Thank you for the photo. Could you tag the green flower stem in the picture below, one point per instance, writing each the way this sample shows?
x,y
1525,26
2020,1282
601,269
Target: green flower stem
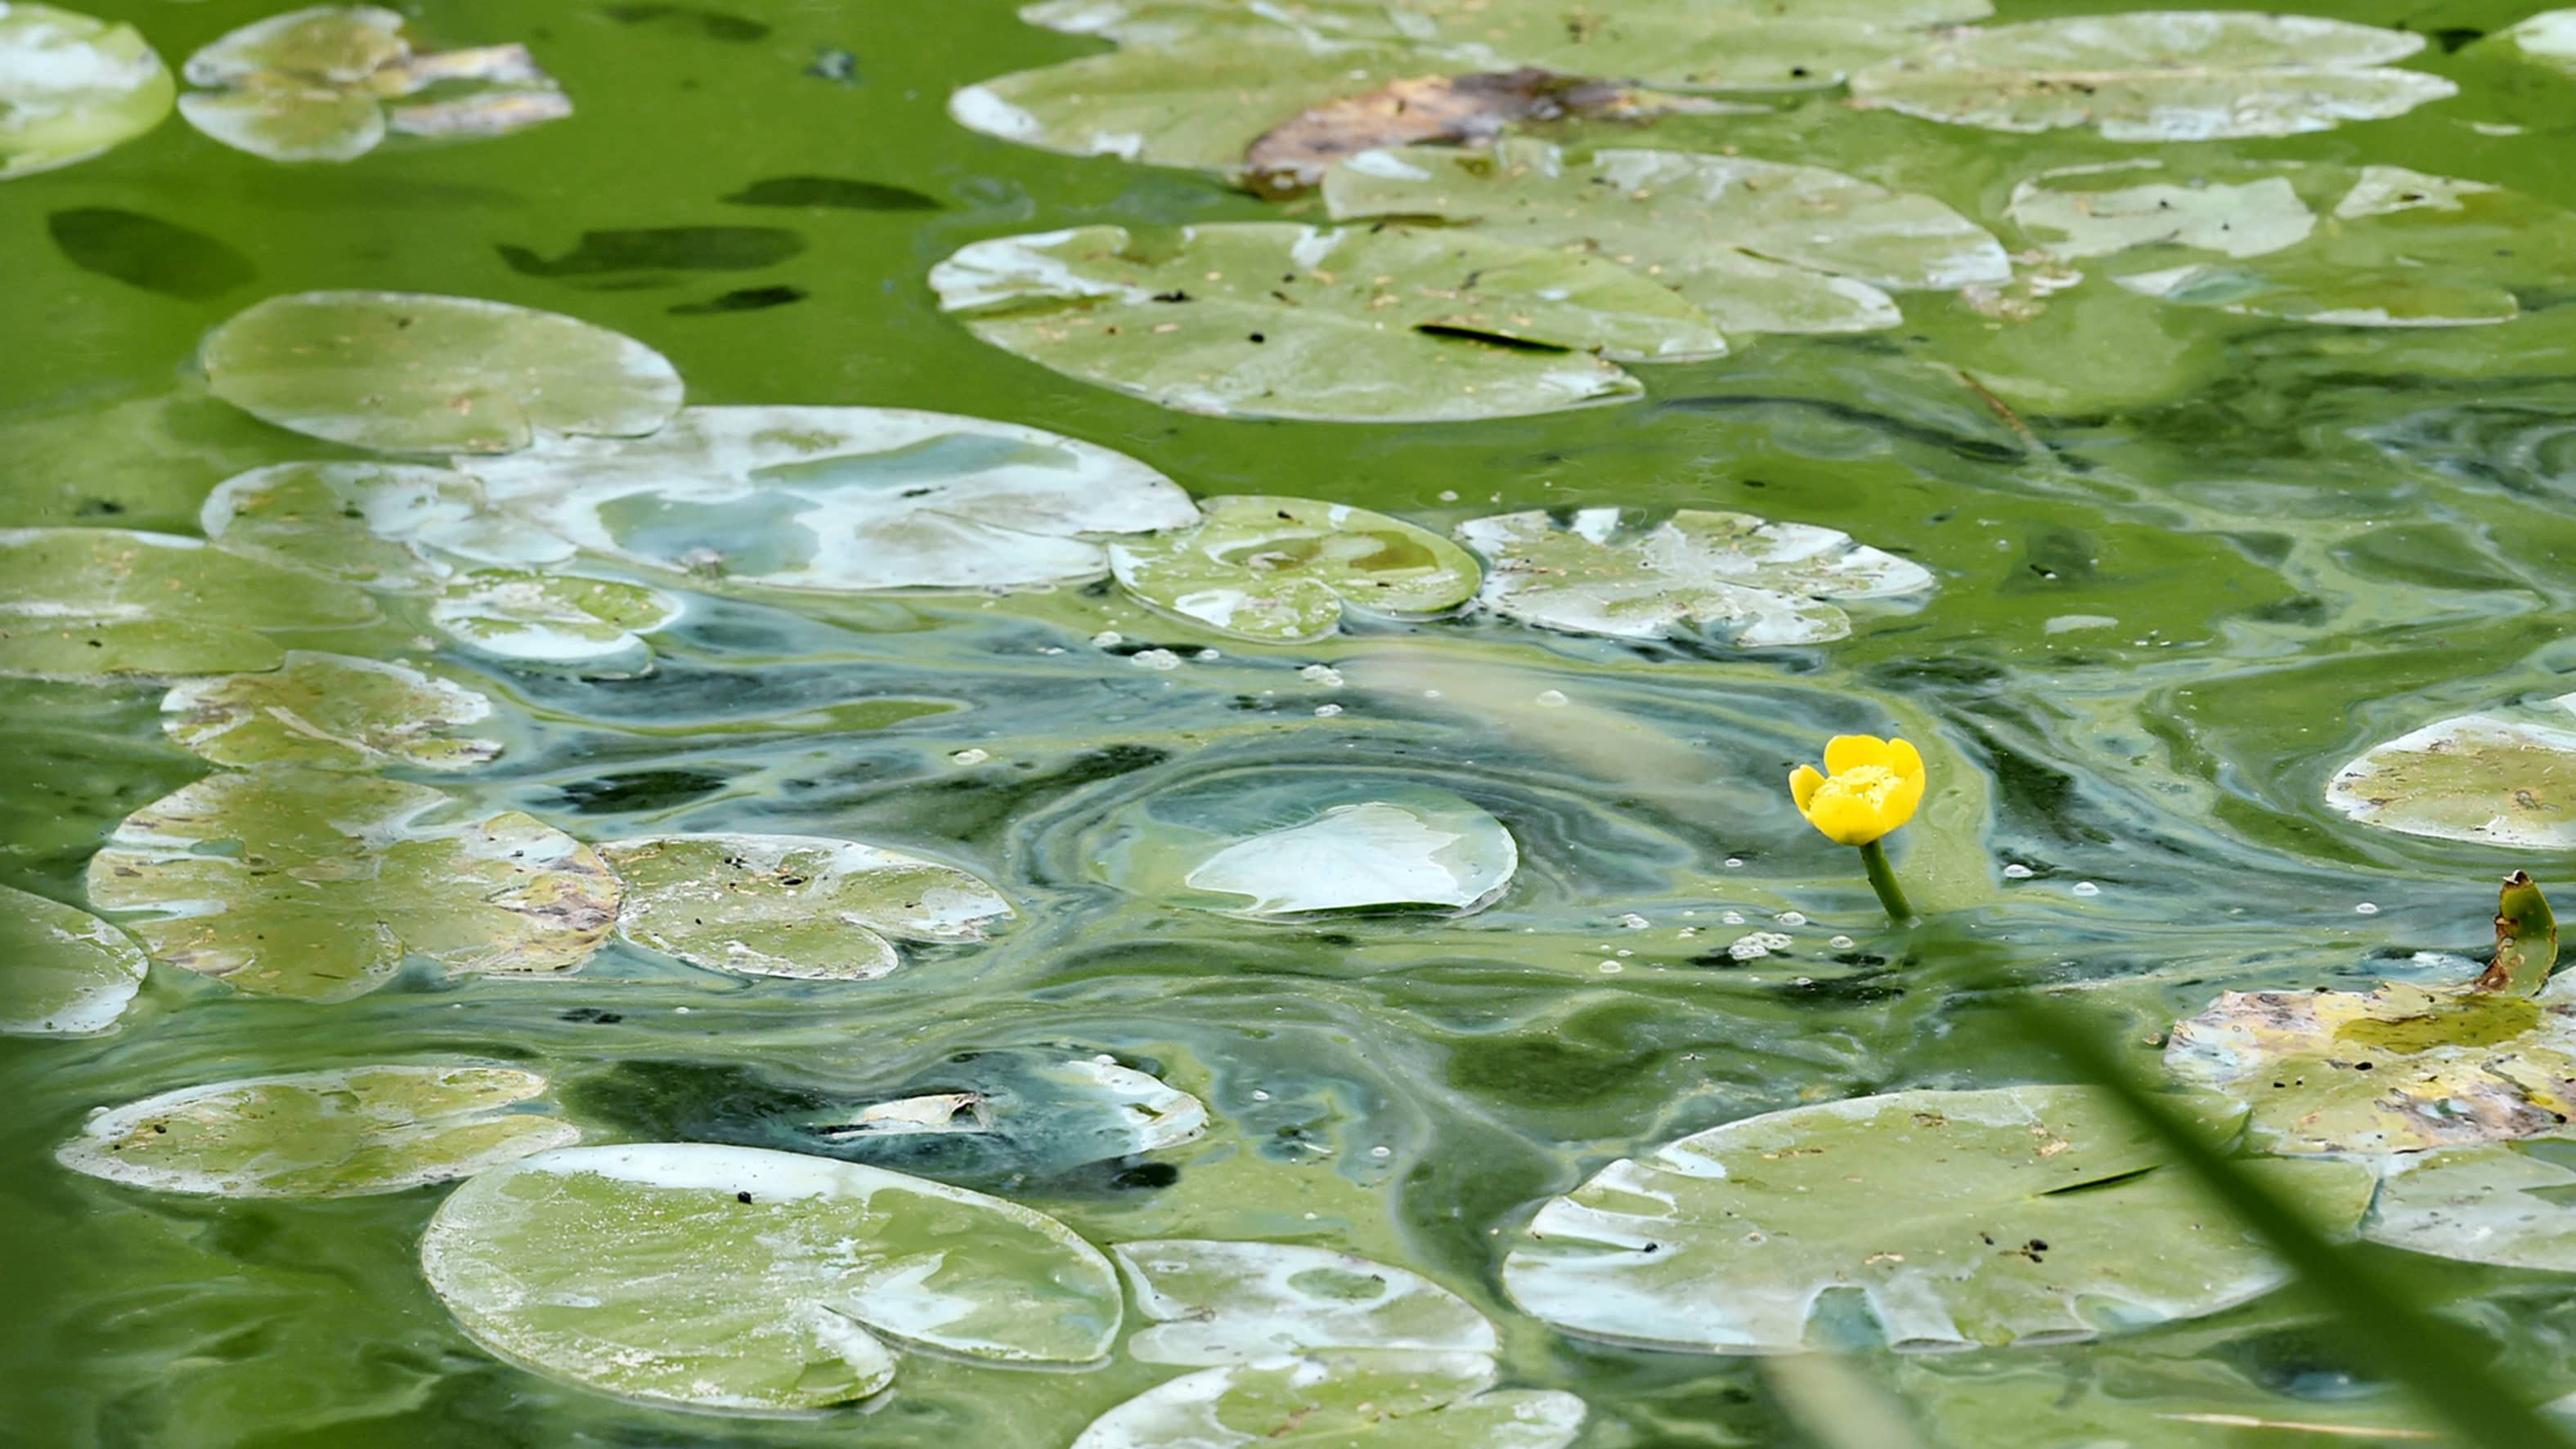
x,y
1882,879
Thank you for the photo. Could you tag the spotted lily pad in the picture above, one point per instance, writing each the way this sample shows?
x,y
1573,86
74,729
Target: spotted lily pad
x,y
1283,569
290,882
320,1134
570,621
1231,1302
330,712
386,525
63,972
1341,1401
2399,1069
1760,246
1363,324
72,87
2477,777
2013,1215
408,372
78,603
1007,1114
1738,578
842,498
325,83
2095,211
2157,75
734,1278
2504,1203
793,905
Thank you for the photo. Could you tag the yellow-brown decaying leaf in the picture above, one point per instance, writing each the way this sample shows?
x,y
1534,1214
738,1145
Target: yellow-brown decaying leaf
x,y
1465,110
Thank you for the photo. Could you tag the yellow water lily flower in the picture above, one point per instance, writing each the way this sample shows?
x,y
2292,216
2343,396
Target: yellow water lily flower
x,y
1869,787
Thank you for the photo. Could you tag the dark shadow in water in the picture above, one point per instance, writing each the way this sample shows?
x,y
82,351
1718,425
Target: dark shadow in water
x,y
742,299
713,24
834,191
605,254
147,252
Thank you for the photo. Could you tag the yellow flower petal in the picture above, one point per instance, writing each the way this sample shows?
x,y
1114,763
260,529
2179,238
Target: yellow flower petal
x,y
1845,753
1901,802
1845,819
1802,784
1875,786
1904,759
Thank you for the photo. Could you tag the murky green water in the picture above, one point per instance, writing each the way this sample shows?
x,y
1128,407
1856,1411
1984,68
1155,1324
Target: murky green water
x,y
2229,554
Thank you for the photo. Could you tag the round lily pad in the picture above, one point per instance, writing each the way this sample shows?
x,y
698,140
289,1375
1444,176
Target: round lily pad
x,y
406,372
2503,1203
320,1134
1363,324
79,603
72,86
842,498
1738,578
570,621
329,712
1341,1401
63,972
1283,569
291,882
1215,1302
1007,1114
734,1278
385,525
2015,1215
793,905
2477,778
1292,844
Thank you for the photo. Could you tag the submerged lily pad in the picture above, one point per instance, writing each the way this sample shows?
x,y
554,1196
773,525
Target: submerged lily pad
x,y
793,905
292,882
2505,1203
1742,579
1231,1302
1363,324
570,621
842,498
2014,1215
63,972
734,1278
1283,569
330,712
320,1134
1761,246
409,372
80,603
1341,1401
2477,777
1291,843
1011,1113
387,525
2157,75
325,83
2398,1069
72,86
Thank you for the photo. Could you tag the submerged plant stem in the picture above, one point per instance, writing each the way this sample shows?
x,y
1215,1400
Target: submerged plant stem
x,y
1882,879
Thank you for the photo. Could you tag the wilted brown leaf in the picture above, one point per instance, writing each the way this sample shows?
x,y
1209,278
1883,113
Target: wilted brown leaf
x,y
1466,110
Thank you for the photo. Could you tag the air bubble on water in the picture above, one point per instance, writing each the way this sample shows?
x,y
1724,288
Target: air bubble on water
x,y
2087,888
1323,674
1448,495
1754,945
1155,659
1431,694
1634,922
1552,698
1611,968
1206,656
969,757
1381,1152
1327,711
2366,908
1792,918
1734,864
1260,1096
1733,918
1107,639
2018,871
1842,943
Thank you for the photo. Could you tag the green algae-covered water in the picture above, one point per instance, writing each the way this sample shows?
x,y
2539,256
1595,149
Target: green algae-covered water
x,y
1373,934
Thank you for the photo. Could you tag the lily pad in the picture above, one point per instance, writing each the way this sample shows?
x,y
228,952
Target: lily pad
x,y
63,972
842,498
2082,212
326,83
289,882
2548,38
1439,110
408,372
385,525
320,1134
2014,1215
1013,1113
2476,777
1363,324
1760,246
2505,1203
72,86
793,905
1283,569
734,1278
1231,1302
83,603
2398,1069
570,621
2157,75
329,712
1344,1401
1748,582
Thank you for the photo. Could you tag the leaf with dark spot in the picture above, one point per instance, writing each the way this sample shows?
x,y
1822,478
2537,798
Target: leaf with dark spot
x,y
147,252
662,248
834,191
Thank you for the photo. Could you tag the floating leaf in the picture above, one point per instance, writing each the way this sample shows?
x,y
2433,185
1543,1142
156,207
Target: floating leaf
x,y
1749,582
330,712
2398,1069
1341,1401
72,87
320,1134
1364,324
2077,213
843,498
1468,110
407,372
79,603
571,621
2477,778
1283,569
387,525
1020,1116
792,905
733,1278
2014,1215
326,83
2157,75
63,972
1761,246
1228,1302
2504,1203
2548,38
297,883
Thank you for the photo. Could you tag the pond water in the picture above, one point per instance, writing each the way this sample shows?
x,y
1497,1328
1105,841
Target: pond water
x,y
2186,556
